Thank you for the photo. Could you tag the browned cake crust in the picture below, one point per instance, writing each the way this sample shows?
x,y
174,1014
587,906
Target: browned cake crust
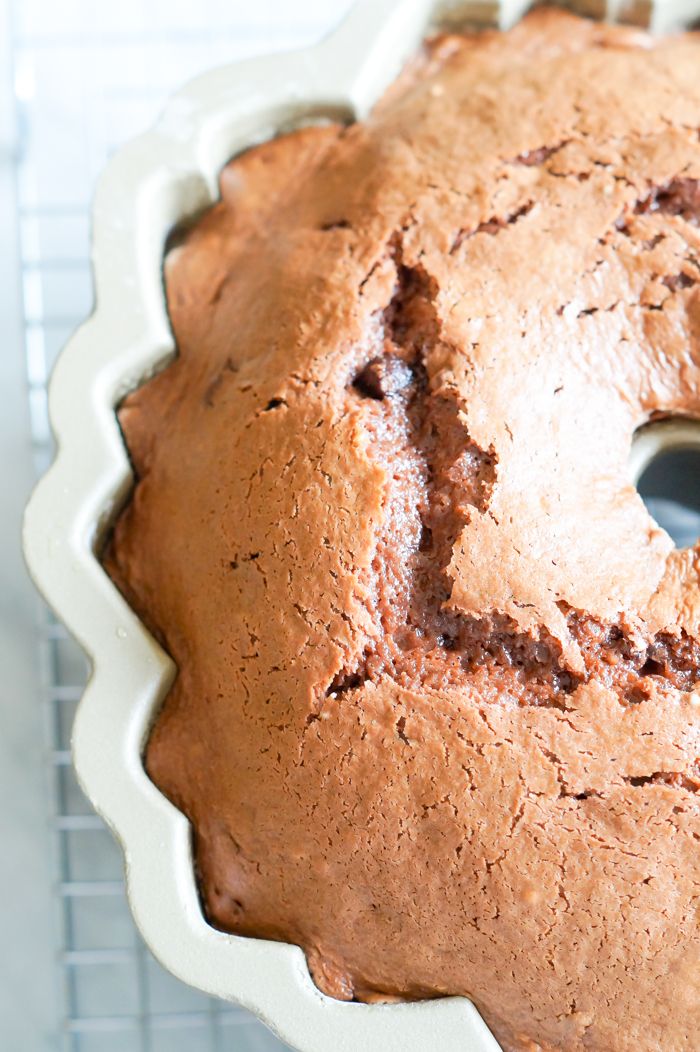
x,y
435,718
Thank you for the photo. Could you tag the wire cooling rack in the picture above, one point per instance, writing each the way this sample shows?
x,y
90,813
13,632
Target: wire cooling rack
x,y
88,75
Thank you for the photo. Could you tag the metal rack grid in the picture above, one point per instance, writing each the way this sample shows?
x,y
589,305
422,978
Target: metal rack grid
x,y
87,76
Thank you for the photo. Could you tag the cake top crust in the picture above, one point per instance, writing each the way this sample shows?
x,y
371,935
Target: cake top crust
x,y
435,717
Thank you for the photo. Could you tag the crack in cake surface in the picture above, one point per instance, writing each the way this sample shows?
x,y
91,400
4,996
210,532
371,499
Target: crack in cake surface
x,y
678,197
436,476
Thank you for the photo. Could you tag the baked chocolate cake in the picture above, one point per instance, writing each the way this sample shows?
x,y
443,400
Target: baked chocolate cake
x,y
436,718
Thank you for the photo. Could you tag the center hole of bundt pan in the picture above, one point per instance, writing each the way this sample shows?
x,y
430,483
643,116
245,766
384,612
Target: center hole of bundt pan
x,y
665,464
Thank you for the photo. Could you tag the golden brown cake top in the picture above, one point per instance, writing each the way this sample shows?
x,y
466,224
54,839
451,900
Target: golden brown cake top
x,y
435,717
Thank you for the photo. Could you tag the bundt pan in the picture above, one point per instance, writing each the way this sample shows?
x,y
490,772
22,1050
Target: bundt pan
x,y
153,184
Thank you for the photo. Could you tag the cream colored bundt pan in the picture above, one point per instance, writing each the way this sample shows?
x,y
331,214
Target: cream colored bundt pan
x,y
154,182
